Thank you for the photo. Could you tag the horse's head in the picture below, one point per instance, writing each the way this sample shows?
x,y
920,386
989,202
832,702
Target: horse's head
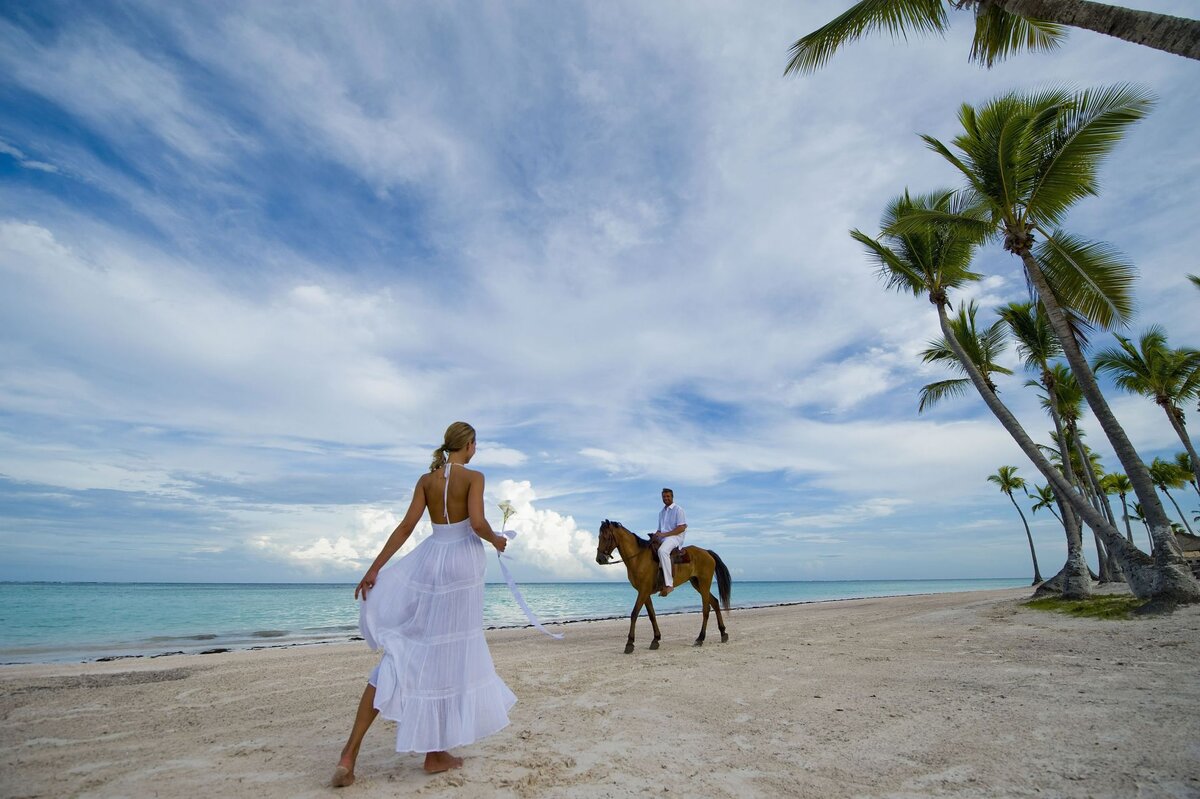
x,y
608,542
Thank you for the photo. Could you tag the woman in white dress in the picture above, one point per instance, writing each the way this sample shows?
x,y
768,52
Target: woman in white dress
x,y
436,677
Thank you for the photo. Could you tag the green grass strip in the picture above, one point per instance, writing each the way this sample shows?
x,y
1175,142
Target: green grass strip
x,y
1102,606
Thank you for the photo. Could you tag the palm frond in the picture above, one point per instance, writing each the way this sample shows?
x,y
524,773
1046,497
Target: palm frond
x,y
896,17
1086,129
921,257
998,34
897,273
936,392
1036,343
1090,277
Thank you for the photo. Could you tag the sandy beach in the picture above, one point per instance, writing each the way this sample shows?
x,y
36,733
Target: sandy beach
x,y
942,695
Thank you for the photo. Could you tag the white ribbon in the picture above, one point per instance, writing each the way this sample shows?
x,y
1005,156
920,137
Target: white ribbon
x,y
516,592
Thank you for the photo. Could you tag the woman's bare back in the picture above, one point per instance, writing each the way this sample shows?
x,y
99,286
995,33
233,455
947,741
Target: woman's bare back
x,y
434,487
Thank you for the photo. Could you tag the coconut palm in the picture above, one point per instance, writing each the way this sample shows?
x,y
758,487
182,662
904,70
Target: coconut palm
x,y
1044,498
1026,160
1117,483
1168,376
1002,27
983,347
1008,481
1195,280
934,260
1079,467
1138,516
1166,475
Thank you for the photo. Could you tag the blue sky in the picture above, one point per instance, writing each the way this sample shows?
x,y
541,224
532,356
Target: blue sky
x,y
255,257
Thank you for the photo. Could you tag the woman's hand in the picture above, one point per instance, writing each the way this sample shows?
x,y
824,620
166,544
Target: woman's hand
x,y
499,542
366,583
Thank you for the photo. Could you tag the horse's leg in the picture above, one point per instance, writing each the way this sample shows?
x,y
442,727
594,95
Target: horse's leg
x,y
712,600
653,622
702,587
637,608
720,620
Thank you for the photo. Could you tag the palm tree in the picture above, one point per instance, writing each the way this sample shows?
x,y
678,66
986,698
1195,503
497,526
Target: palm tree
x,y
1195,280
1064,402
982,347
1038,347
1152,369
1117,483
1166,475
1026,160
1008,481
1044,496
1138,516
933,260
1002,27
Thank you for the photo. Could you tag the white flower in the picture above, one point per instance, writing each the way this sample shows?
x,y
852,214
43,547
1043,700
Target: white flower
x,y
507,509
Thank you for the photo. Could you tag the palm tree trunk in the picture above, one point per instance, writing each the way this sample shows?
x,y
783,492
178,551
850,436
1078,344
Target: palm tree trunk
x,y
1073,580
1175,580
1178,510
1145,580
1110,569
1097,491
1072,570
1125,516
1177,422
1102,559
1037,575
1177,35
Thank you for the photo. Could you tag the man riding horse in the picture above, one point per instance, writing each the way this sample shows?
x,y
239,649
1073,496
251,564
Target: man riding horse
x,y
672,523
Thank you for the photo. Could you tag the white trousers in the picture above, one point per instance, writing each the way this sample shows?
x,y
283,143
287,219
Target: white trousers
x,y
669,543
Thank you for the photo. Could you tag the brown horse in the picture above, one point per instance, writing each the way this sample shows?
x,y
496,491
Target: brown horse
x,y
643,567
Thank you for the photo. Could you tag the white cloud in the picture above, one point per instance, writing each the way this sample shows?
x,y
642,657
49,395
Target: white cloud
x,y
631,264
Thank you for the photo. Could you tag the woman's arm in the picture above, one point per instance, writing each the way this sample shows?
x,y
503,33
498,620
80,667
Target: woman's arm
x,y
395,540
479,522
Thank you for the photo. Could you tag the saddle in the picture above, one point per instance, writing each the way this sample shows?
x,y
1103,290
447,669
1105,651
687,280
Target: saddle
x,y
678,556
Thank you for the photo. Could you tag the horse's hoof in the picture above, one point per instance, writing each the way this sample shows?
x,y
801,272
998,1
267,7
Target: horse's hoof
x,y
698,643
724,638
654,644
628,649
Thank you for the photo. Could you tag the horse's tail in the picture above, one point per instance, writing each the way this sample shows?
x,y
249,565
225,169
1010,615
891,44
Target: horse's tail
x,y
724,580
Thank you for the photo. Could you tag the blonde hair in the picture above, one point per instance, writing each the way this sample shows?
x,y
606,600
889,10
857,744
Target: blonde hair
x,y
458,435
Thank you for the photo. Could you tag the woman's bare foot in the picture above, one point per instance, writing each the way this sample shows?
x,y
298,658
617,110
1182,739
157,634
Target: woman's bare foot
x,y
436,762
666,590
342,776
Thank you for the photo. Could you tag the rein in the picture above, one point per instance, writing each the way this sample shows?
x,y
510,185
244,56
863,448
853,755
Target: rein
x,y
610,554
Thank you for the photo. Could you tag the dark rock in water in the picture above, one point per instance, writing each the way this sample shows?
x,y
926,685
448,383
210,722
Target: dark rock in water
x,y
269,633
214,651
164,654
108,658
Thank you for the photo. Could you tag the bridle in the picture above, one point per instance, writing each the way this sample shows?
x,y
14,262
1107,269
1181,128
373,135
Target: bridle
x,y
605,531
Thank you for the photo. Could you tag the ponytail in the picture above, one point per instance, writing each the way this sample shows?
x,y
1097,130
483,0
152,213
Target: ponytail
x,y
439,459
458,435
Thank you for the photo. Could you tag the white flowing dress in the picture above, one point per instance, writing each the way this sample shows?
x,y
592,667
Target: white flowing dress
x,y
436,677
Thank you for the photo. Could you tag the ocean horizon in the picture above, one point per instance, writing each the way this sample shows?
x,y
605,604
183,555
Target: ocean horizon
x,y
56,622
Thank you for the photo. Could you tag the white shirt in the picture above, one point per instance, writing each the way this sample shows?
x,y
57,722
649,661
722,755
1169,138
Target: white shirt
x,y
670,517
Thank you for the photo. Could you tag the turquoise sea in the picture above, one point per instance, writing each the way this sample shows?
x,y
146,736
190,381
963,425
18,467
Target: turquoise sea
x,y
65,622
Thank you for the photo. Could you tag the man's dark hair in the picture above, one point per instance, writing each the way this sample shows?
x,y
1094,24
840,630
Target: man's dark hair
x,y
665,490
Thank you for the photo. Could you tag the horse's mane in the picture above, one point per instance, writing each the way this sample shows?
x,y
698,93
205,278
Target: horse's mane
x,y
642,542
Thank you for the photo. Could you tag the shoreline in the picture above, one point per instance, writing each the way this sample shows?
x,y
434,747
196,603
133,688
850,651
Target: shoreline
x,y
966,695
354,637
